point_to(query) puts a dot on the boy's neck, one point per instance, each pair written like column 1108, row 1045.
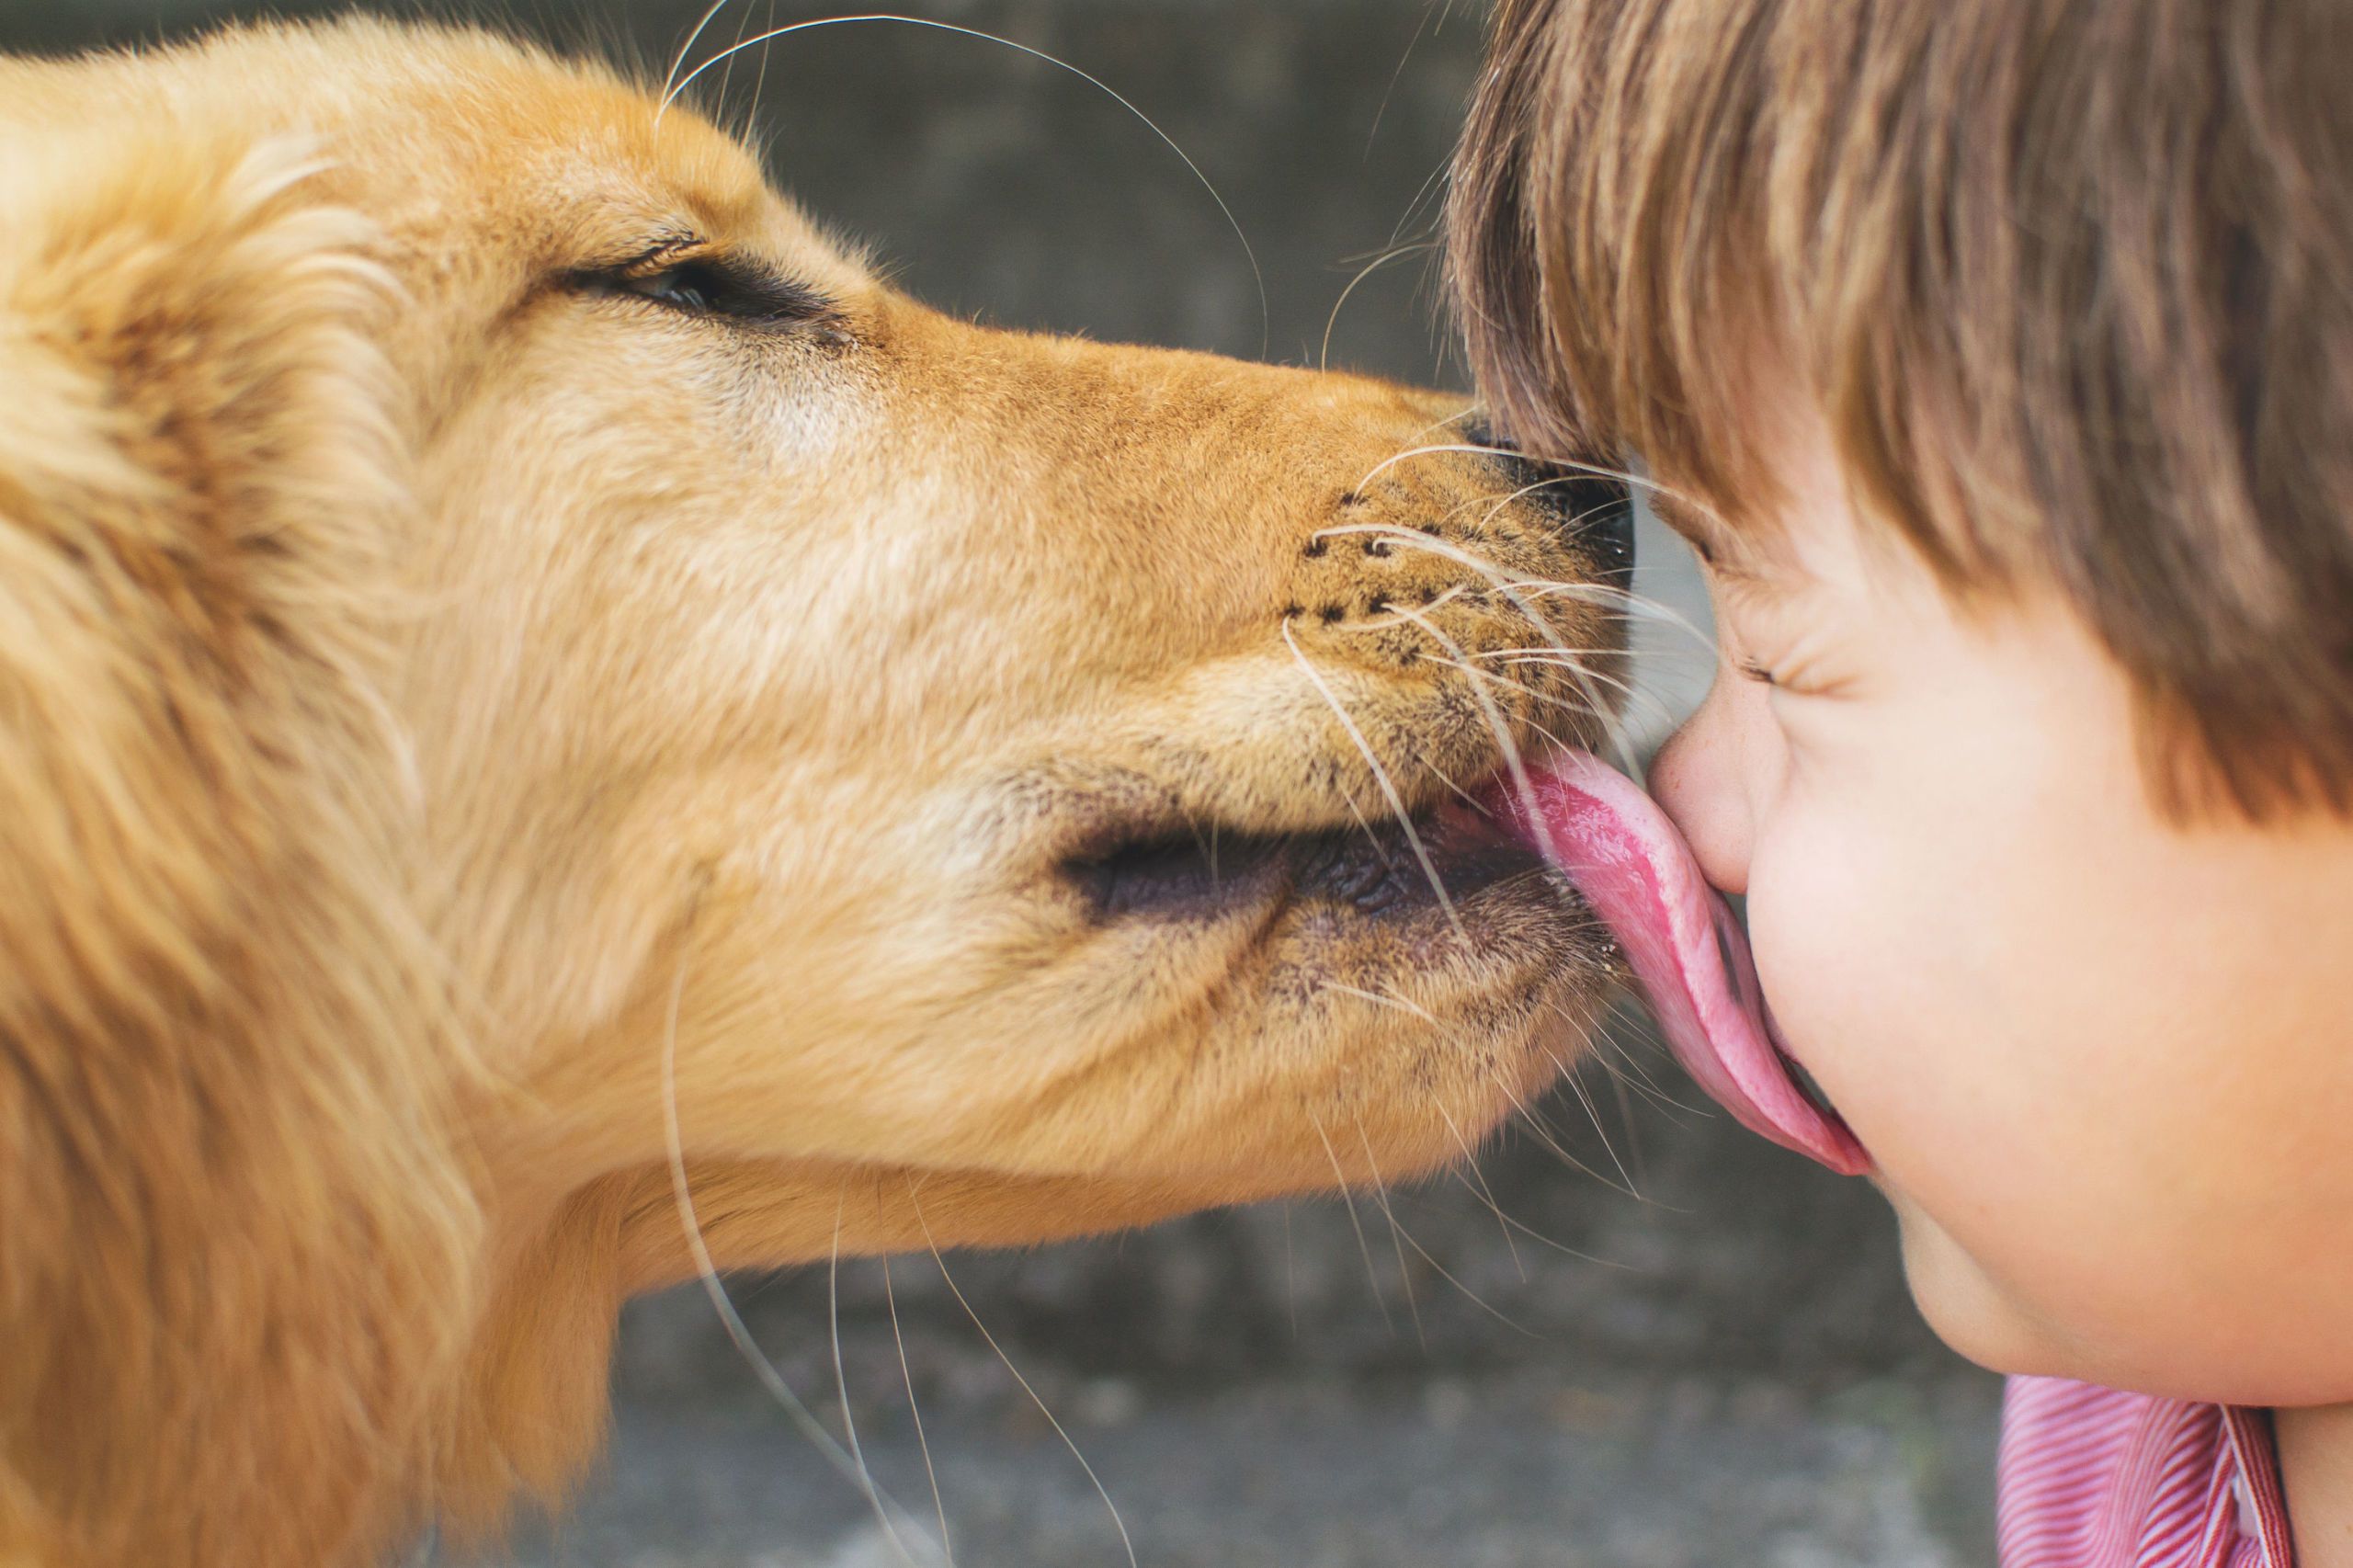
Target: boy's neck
column 2316, row 1470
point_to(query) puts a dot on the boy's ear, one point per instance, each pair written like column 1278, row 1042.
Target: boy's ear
column 236, row 1237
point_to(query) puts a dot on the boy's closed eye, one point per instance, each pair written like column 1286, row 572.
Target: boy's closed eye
column 1787, row 633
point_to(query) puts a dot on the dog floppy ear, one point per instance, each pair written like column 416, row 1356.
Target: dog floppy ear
column 234, row 1240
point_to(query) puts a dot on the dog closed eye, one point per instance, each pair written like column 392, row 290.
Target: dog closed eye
column 717, row 286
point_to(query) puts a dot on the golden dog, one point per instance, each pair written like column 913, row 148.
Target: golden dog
column 535, row 691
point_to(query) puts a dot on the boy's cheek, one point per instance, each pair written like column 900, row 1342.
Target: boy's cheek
column 1834, row 954
column 1910, row 1039
column 1989, row 1065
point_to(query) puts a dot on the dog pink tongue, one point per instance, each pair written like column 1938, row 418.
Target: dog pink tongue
column 1618, row 849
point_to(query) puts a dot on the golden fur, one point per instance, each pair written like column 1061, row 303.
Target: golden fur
column 448, row 699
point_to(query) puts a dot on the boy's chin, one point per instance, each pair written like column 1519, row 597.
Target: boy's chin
column 1968, row 1308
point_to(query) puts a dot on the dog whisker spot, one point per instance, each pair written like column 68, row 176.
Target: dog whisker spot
column 1314, row 548
column 1331, row 613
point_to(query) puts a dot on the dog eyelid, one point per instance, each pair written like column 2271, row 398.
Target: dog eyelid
column 682, row 276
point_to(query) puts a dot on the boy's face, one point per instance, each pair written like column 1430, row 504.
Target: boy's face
column 2104, row 1064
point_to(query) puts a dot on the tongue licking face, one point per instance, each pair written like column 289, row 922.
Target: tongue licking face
column 1618, row 848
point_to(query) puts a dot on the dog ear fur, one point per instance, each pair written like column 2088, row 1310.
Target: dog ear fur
column 236, row 1239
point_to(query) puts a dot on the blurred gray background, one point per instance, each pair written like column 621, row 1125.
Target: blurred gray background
column 1682, row 1349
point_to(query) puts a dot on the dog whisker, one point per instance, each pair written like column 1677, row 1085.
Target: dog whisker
column 1544, row 1135
column 1415, row 540
column 730, row 1321
column 1577, row 1087
column 1355, row 1223
column 1485, row 1194
column 841, row 1377
column 1446, row 778
column 1469, row 1294
column 1606, row 1048
column 1323, row 359
column 1422, row 193
column 1522, row 787
column 1637, row 702
column 1455, row 418
column 1580, row 465
column 1265, row 318
column 915, row 1411
column 727, row 77
column 678, row 62
column 1472, row 448
column 1629, row 604
column 1540, row 1238
column 760, row 82
column 1498, row 504
column 1382, row 110
column 1400, row 1003
column 1579, row 709
column 958, row 1291
column 1396, row 1233
column 1395, row 615
column 1380, row 776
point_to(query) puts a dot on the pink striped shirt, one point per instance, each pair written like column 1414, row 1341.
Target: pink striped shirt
column 2092, row 1478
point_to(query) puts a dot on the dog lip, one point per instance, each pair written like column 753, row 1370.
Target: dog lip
column 1380, row 869
column 1173, row 876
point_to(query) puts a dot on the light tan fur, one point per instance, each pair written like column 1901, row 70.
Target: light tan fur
column 442, row 701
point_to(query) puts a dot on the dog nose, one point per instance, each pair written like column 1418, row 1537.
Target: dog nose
column 1610, row 526
column 1593, row 505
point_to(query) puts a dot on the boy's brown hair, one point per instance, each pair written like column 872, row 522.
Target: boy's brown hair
column 2072, row 284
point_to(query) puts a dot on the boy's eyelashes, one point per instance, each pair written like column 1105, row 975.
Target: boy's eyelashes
column 1757, row 672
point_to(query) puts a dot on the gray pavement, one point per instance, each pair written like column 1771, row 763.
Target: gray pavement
column 1722, row 1372
column 1510, row 1474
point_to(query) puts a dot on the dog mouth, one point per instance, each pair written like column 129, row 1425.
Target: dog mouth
column 1390, row 868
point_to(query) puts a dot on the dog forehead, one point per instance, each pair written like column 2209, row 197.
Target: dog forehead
column 554, row 145
column 601, row 164
column 434, row 129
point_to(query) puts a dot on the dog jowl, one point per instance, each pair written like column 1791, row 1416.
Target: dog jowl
column 533, row 680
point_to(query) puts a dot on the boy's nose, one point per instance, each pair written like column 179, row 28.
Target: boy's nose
column 1705, row 775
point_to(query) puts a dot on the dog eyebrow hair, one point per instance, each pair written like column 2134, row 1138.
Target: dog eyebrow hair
column 660, row 250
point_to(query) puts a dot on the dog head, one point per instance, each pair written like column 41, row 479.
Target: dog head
column 564, row 728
